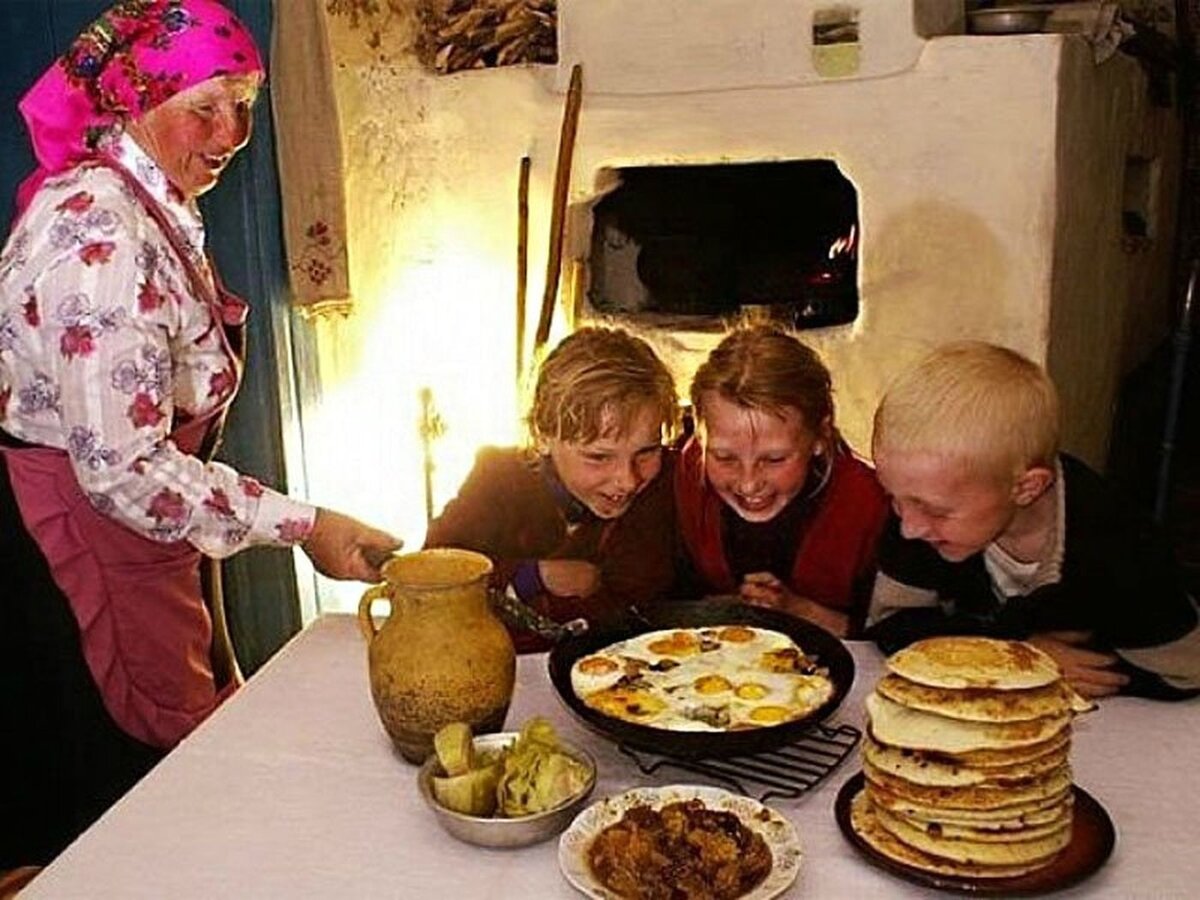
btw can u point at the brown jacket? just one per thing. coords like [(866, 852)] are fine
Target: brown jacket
[(507, 510)]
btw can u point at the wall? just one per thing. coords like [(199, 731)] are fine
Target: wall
[(957, 157)]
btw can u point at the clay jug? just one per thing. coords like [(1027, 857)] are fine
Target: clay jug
[(442, 655)]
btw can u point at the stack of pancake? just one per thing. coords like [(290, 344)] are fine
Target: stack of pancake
[(966, 759)]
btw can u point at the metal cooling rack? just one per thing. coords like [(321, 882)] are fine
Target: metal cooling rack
[(787, 772)]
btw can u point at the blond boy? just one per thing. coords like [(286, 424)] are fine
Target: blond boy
[(994, 531)]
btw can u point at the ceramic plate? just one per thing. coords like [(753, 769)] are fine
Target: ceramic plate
[(777, 831)]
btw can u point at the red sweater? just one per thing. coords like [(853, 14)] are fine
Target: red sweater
[(835, 541), (506, 510)]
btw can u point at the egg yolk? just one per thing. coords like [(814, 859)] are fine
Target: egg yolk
[(681, 643), (751, 691), (736, 634), (711, 684), (769, 715), (787, 659), (597, 665)]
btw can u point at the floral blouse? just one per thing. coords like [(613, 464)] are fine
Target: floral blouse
[(103, 347)]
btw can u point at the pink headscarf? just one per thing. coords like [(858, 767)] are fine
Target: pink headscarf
[(136, 55)]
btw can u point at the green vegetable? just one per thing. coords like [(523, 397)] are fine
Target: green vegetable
[(453, 747), (537, 775), (472, 793)]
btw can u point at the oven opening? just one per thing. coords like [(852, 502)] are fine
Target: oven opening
[(707, 242)]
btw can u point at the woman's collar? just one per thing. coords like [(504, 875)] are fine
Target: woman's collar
[(134, 159)]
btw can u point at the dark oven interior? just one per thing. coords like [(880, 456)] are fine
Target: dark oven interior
[(714, 240)]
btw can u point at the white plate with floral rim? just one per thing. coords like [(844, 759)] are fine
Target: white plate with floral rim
[(780, 836)]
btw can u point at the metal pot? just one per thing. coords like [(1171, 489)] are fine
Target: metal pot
[(1008, 20)]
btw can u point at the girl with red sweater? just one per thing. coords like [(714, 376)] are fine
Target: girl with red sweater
[(772, 504)]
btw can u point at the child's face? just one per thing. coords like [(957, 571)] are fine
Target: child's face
[(940, 502), (755, 460), (607, 473)]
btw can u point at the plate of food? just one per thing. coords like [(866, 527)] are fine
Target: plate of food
[(652, 841), (1090, 843), (708, 679), (966, 782)]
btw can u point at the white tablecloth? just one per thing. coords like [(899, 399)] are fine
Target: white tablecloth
[(292, 789)]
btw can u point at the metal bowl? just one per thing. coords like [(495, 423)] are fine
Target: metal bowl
[(1008, 20), (501, 832)]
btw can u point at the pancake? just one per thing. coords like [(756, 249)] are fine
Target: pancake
[(966, 758), (972, 797), (980, 704), (1019, 815), (975, 662), (983, 759), (989, 853), (936, 770), (899, 726), (865, 823), (992, 834)]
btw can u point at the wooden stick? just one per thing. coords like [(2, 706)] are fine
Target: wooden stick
[(562, 181), (522, 262)]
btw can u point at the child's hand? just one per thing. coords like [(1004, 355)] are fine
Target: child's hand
[(765, 589), (569, 577), (1088, 671)]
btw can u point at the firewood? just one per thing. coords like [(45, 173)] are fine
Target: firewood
[(471, 34)]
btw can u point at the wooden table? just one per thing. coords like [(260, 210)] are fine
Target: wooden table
[(293, 790)]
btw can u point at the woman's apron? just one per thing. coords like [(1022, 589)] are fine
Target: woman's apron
[(145, 630)]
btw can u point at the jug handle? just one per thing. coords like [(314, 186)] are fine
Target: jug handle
[(365, 623)]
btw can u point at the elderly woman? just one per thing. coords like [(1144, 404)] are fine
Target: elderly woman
[(119, 354)]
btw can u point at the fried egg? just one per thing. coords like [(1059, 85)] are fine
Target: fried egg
[(729, 677)]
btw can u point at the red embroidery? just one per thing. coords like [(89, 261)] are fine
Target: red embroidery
[(321, 252)]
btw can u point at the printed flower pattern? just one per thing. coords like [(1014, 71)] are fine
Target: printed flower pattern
[(250, 486), (30, 309), (83, 324), (97, 252), (218, 504), (170, 513), (294, 531), (85, 447), (145, 411), (16, 254), (38, 396), (8, 331), (93, 305), (221, 384), (79, 202)]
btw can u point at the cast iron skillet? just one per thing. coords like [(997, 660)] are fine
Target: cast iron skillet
[(813, 640)]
